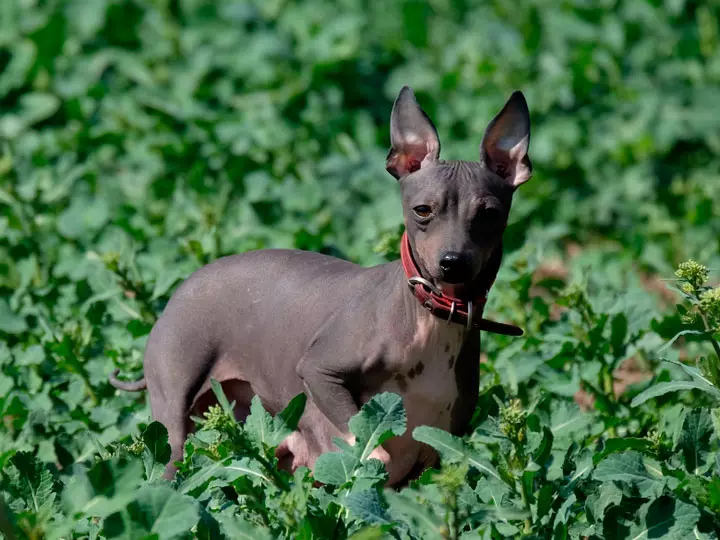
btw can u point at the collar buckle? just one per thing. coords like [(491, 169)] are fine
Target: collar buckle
[(417, 280)]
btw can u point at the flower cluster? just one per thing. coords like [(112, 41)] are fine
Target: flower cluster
[(218, 419), (136, 448), (694, 274), (710, 305), (512, 420)]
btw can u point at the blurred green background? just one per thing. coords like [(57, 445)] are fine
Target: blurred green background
[(140, 139)]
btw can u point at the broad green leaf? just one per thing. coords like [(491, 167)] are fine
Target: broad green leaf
[(248, 468), (379, 419), (369, 474), (335, 468), (203, 475), (367, 506), (620, 445), (628, 468), (156, 510), (235, 526), (606, 494), (453, 449), (85, 216), (106, 488), (421, 518), (33, 483), (694, 441), (564, 513), (667, 518), (259, 424), (157, 450), (38, 106), (10, 322), (271, 431), (33, 355), (660, 389), (568, 422)]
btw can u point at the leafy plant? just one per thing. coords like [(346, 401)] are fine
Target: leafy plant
[(704, 305)]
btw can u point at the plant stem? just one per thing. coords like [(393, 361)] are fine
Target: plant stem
[(708, 328)]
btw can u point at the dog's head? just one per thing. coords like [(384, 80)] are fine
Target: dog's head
[(456, 211)]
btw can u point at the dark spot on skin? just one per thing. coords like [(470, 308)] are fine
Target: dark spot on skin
[(448, 407), (451, 362), (447, 347), (419, 368), (402, 383)]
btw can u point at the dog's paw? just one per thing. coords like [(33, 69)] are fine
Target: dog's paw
[(292, 452)]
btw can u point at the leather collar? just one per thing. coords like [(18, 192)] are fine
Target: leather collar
[(467, 312)]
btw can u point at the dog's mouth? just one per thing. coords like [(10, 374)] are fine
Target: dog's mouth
[(454, 290)]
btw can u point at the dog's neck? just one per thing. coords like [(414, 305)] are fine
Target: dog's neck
[(456, 310)]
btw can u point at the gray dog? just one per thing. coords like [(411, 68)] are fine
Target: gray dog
[(275, 323)]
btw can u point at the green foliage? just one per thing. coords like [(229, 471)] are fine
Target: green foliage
[(142, 139)]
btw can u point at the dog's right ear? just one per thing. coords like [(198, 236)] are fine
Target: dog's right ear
[(413, 136)]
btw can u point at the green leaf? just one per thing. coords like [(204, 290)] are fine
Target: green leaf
[(568, 422), (380, 418), (453, 449), (157, 510), (259, 424), (288, 419), (222, 399), (335, 468), (32, 356), (606, 495), (108, 487), (694, 440), (629, 469), (38, 106), (235, 526), (203, 475), (368, 474), (84, 216), (157, 450), (367, 506), (619, 330), (10, 322), (33, 483), (663, 388), (421, 518), (263, 429), (246, 467), (665, 518), (620, 445)]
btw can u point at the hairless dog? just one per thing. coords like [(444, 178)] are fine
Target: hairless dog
[(276, 323)]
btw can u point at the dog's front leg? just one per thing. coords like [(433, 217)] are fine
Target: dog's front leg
[(327, 377)]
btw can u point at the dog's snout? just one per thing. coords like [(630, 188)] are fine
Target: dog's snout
[(456, 267)]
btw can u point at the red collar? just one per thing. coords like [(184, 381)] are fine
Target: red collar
[(465, 312)]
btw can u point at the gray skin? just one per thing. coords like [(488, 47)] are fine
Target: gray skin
[(275, 323)]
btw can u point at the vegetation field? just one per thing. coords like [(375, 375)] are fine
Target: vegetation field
[(142, 139)]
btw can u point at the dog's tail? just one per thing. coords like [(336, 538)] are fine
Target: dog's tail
[(129, 386)]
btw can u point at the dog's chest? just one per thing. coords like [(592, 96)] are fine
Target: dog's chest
[(426, 377)]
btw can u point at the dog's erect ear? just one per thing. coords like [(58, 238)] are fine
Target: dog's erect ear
[(504, 148), (414, 140)]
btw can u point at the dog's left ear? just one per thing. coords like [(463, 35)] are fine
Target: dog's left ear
[(504, 148), (414, 139)]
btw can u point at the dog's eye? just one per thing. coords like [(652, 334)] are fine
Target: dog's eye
[(422, 211)]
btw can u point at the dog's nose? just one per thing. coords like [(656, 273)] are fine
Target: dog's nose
[(456, 267)]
